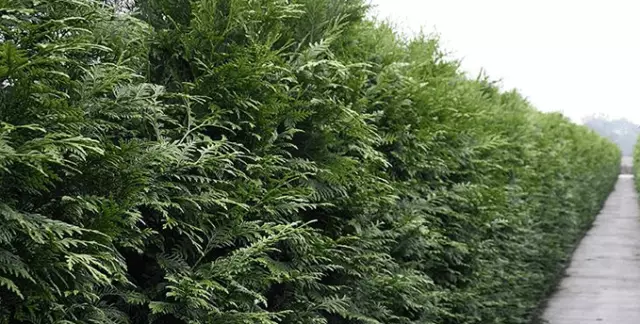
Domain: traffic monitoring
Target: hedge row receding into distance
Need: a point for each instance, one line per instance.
(635, 167)
(272, 161)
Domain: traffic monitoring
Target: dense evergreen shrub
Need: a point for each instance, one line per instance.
(272, 161)
(635, 162)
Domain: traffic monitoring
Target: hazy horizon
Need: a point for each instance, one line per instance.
(579, 58)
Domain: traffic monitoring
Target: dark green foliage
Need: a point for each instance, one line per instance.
(272, 161)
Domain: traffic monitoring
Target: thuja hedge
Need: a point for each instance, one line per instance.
(635, 167)
(272, 161)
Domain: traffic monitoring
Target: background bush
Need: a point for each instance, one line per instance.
(272, 161)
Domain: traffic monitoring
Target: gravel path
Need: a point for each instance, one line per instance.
(603, 281)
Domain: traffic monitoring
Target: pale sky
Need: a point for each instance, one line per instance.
(578, 57)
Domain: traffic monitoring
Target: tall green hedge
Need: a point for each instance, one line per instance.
(272, 161)
(635, 167)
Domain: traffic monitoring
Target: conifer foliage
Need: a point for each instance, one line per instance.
(272, 161)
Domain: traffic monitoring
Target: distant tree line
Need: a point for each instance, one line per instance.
(621, 131)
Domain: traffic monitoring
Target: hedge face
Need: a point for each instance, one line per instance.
(272, 162)
(636, 163)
